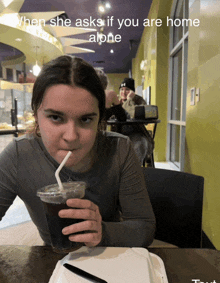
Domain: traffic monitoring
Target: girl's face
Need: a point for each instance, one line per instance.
(124, 91)
(68, 121)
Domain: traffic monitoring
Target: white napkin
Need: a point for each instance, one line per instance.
(121, 265)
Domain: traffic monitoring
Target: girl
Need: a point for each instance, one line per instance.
(68, 104)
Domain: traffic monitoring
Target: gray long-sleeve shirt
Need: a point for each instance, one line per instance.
(115, 183)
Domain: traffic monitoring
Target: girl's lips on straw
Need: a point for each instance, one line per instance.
(73, 149)
(69, 149)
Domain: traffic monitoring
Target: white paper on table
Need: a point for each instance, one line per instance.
(115, 265)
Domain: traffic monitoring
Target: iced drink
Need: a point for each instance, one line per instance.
(54, 200)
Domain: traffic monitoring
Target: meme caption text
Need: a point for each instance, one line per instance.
(110, 22)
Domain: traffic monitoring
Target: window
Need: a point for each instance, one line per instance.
(178, 85)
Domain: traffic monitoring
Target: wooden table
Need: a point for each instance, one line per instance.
(35, 264)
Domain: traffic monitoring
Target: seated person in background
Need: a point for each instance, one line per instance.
(112, 104)
(142, 141)
(68, 104)
(128, 97)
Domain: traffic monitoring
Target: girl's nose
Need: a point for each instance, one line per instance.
(71, 133)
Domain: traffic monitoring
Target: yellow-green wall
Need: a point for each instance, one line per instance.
(202, 120)
(136, 72)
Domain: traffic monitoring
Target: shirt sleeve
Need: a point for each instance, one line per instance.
(138, 223)
(138, 100)
(8, 177)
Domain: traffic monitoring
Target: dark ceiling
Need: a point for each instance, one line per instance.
(131, 11)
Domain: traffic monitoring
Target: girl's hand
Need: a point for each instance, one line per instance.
(131, 94)
(87, 210)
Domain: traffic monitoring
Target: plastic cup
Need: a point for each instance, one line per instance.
(54, 200)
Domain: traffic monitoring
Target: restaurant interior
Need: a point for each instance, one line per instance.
(171, 49)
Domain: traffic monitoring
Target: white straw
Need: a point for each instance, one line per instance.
(59, 168)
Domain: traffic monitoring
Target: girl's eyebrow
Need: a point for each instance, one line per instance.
(90, 114)
(51, 111)
(55, 112)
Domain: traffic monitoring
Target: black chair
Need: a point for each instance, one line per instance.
(177, 200)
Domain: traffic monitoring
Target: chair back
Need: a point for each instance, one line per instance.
(177, 200)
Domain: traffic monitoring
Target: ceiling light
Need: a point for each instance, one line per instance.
(36, 69)
(101, 8)
(111, 51)
(104, 6)
(107, 5)
(18, 39)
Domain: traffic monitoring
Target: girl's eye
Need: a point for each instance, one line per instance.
(86, 120)
(55, 118)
